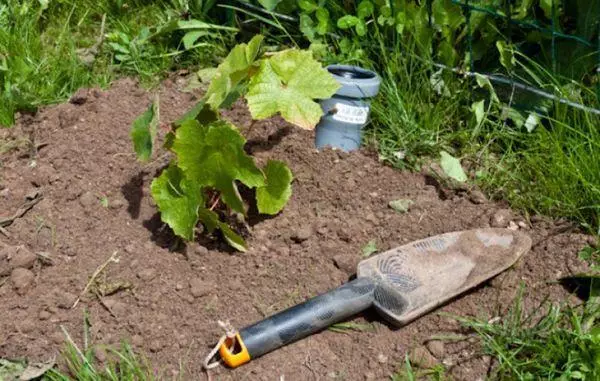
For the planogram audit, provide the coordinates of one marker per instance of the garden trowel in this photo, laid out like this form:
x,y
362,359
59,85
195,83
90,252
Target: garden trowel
x,y
401,284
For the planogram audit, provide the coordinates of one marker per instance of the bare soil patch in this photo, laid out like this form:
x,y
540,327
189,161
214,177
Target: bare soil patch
x,y
166,300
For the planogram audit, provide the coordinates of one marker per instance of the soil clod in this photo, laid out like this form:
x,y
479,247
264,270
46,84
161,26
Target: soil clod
x,y
302,234
422,358
146,274
436,347
501,218
22,280
87,199
199,288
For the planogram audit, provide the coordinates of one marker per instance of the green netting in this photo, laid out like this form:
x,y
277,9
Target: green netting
x,y
553,30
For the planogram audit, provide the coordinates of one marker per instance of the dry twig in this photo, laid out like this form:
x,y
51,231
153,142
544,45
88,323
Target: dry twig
x,y
113,258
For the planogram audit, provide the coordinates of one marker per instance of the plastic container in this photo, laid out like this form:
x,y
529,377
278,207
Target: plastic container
x,y
347,112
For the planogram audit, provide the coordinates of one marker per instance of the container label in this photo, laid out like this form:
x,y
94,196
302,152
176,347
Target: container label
x,y
351,114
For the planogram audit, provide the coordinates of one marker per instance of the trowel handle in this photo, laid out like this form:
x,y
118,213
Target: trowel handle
x,y
298,321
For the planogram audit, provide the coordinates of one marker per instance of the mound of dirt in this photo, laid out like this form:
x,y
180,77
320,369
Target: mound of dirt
x,y
167,300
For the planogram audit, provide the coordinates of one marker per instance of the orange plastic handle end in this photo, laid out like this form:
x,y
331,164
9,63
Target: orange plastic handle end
x,y
233,360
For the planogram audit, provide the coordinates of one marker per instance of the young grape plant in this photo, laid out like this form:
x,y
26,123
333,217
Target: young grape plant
x,y
209,158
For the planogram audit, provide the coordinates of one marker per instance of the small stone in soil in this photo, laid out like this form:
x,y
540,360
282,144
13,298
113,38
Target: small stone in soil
x,y
65,299
12,257
199,288
421,358
100,354
382,359
501,218
302,234
137,340
155,346
346,263
117,203
371,218
116,307
512,226
87,199
57,338
343,234
21,280
477,197
436,347
44,315
80,97
146,274
200,250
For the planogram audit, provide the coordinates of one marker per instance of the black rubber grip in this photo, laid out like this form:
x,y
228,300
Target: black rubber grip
x,y
309,317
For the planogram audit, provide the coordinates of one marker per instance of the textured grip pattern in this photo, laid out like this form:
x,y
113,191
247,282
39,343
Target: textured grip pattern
x,y
309,317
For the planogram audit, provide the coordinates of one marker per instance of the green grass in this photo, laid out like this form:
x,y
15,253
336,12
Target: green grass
x,y
125,365
41,50
553,170
549,343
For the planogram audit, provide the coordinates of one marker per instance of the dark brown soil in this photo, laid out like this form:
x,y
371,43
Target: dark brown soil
x,y
84,160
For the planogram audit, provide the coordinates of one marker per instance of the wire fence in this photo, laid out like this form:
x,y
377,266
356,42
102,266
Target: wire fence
x,y
554,31
470,7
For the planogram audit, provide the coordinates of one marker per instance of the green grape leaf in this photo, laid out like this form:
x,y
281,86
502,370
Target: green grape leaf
x,y
323,21
287,83
365,9
211,221
232,72
178,200
308,6
269,5
143,131
213,155
273,196
451,167
200,112
233,239
347,22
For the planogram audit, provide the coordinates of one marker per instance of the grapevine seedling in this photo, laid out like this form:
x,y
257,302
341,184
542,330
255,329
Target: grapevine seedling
x,y
210,157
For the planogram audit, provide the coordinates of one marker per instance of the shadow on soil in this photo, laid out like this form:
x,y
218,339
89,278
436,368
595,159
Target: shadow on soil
x,y
255,145
133,191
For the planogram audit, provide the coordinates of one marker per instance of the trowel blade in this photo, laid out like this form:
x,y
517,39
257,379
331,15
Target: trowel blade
x,y
417,277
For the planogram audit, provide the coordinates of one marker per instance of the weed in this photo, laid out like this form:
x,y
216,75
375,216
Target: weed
x,y
369,248
551,342
125,364
591,255
50,49
350,326
408,373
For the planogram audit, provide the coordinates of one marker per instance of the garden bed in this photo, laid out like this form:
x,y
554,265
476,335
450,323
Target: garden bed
x,y
169,298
